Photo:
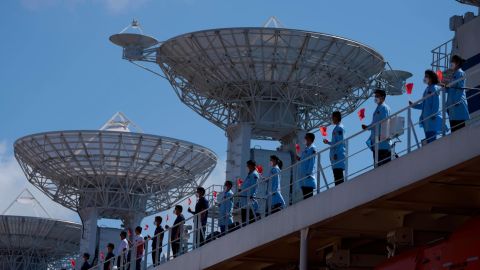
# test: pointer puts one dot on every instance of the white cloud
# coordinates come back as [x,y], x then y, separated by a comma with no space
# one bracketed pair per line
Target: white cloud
[13,181]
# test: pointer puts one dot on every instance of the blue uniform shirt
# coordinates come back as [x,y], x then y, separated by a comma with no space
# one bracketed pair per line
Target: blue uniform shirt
[431,118]
[381,112]
[274,188]
[456,99]
[337,151]
[308,167]
[226,208]
[248,195]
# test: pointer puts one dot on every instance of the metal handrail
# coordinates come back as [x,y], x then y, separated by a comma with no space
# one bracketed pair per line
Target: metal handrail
[293,169]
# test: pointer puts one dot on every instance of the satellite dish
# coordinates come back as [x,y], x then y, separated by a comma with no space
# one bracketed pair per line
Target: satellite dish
[133,44]
[470,2]
[394,81]
[131,39]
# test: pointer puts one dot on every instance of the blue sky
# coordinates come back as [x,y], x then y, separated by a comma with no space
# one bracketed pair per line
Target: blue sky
[58,70]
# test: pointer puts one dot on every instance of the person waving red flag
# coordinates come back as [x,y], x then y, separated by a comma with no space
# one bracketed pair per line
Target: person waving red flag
[409,88]
[323,130]
[361,114]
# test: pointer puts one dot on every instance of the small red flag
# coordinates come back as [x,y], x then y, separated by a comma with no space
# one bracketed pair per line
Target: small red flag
[73,263]
[102,256]
[323,130]
[239,182]
[189,201]
[361,114]
[409,87]
[297,148]
[146,227]
[259,169]
[440,75]
[214,195]
[167,217]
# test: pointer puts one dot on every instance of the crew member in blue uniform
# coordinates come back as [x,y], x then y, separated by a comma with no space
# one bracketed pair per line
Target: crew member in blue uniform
[248,193]
[308,165]
[381,113]
[275,198]
[337,151]
[431,117]
[456,105]
[225,208]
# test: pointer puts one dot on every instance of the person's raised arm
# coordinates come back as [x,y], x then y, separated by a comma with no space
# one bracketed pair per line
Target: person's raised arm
[417,106]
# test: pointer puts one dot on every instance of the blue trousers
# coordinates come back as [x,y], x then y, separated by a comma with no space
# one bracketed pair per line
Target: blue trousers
[430,136]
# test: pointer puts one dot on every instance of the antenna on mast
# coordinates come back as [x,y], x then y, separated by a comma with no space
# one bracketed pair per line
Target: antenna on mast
[273,22]
[120,122]
[133,25]
[24,203]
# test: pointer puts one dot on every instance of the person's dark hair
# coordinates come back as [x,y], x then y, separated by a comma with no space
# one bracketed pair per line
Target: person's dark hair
[123,234]
[310,136]
[158,219]
[251,163]
[179,208]
[380,92]
[432,76]
[201,191]
[228,183]
[457,60]
[111,245]
[86,255]
[277,160]
[138,229]
[337,115]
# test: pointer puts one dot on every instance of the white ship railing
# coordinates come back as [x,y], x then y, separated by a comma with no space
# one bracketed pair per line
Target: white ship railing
[406,140]
[441,56]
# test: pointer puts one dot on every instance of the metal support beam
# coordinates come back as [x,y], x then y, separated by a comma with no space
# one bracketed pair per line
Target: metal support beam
[238,150]
[303,249]
[89,217]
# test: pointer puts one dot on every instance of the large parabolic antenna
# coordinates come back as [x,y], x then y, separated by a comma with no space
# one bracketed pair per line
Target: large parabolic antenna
[265,82]
[113,172]
[31,239]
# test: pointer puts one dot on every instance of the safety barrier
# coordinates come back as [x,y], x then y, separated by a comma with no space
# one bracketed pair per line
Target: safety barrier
[399,128]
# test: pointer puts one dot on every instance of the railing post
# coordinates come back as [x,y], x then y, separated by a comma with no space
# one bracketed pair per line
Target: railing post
[169,243]
[145,254]
[269,195]
[133,257]
[376,144]
[324,178]
[212,227]
[444,113]
[248,210]
[319,166]
[196,231]
[345,177]
[180,229]
[157,249]
[293,182]
[409,129]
